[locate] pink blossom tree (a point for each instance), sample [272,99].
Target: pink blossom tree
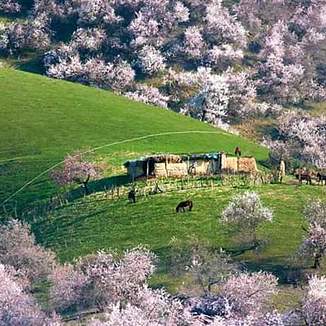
[10,7]
[66,63]
[95,12]
[24,36]
[101,280]
[76,169]
[18,248]
[314,305]
[16,306]
[193,44]
[223,28]
[148,95]
[249,293]
[304,136]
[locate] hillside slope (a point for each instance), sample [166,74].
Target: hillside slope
[41,120]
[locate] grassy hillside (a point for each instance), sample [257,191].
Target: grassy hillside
[89,224]
[41,120]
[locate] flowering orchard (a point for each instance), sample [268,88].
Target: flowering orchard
[260,54]
[116,284]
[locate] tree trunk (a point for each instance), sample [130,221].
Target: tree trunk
[317,261]
[85,185]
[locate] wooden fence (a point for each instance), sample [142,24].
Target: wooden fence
[145,188]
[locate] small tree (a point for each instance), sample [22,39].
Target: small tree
[249,293]
[315,244]
[101,279]
[314,306]
[18,249]
[16,306]
[247,212]
[76,169]
[210,268]
[315,212]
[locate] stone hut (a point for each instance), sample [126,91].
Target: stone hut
[169,165]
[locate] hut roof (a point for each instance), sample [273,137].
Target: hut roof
[173,158]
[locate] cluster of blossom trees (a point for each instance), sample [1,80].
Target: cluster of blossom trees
[117,285]
[10,7]
[300,136]
[257,54]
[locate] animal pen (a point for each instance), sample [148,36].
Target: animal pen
[177,166]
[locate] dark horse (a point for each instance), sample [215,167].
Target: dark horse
[132,196]
[321,178]
[183,205]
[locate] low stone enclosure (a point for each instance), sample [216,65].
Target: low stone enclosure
[177,166]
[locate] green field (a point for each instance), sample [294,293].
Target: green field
[41,120]
[152,220]
[92,223]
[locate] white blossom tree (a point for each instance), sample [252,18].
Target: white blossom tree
[249,293]
[148,95]
[211,102]
[150,60]
[314,305]
[247,211]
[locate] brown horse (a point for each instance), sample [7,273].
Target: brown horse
[183,205]
[303,176]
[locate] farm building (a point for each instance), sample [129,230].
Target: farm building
[168,165]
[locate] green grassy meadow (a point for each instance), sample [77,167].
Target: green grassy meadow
[92,223]
[41,120]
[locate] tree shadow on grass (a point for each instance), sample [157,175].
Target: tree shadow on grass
[287,273]
[98,186]
[61,222]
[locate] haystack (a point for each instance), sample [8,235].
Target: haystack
[247,164]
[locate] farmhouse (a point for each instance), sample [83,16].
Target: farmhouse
[170,165]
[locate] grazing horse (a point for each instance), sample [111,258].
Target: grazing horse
[183,205]
[304,175]
[321,178]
